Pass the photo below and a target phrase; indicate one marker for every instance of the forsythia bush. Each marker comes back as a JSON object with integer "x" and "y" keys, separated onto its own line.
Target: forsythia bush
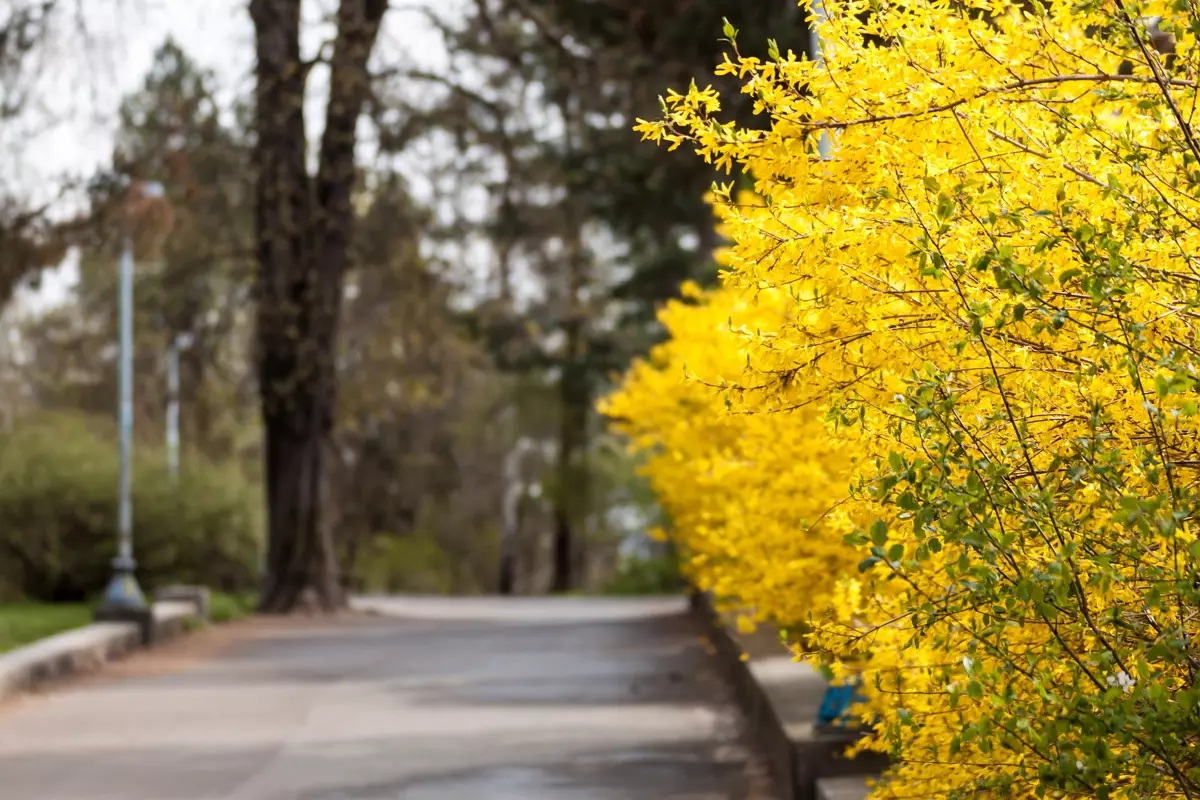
{"x": 961, "y": 354}
{"x": 754, "y": 497}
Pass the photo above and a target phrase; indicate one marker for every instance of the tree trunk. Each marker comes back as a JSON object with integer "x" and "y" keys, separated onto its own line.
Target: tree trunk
{"x": 299, "y": 556}
{"x": 303, "y": 227}
{"x": 508, "y": 575}
{"x": 570, "y": 506}
{"x": 571, "y": 501}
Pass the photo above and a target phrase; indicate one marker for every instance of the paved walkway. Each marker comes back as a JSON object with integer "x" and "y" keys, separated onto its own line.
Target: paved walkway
{"x": 540, "y": 699}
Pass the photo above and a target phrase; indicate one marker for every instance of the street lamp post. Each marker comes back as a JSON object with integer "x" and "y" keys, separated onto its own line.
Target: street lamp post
{"x": 123, "y": 598}
{"x": 178, "y": 344}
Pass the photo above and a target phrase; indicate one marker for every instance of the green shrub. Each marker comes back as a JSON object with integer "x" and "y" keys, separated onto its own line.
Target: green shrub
{"x": 413, "y": 563}
{"x": 225, "y": 607}
{"x": 58, "y": 515}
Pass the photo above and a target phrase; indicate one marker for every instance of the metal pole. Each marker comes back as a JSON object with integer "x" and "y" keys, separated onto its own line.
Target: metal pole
{"x": 824, "y": 143}
{"x": 173, "y": 410}
{"x": 123, "y": 597}
{"x": 125, "y": 548}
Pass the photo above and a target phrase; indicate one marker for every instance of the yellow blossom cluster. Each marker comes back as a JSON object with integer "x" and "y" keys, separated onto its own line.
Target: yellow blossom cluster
{"x": 755, "y": 498}
{"x": 960, "y": 353}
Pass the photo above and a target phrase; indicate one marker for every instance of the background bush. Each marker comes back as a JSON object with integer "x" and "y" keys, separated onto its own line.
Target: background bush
{"x": 413, "y": 563}
{"x": 58, "y": 515}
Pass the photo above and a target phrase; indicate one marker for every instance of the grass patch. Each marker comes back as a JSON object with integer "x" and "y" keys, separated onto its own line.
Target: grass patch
{"x": 25, "y": 622}
{"x": 228, "y": 607}
{"x": 22, "y": 623}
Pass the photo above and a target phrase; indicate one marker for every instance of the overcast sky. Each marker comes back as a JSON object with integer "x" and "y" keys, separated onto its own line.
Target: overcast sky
{"x": 87, "y": 81}
{"x": 83, "y": 81}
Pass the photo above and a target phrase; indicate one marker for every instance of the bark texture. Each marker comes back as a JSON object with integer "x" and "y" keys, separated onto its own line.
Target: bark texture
{"x": 304, "y": 223}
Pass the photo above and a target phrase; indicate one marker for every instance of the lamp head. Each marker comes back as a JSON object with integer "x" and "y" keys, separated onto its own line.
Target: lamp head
{"x": 148, "y": 218}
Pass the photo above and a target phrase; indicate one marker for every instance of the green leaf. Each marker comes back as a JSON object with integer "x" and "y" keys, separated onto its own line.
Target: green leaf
{"x": 729, "y": 31}
{"x": 896, "y": 552}
{"x": 945, "y": 207}
{"x": 1068, "y": 274}
{"x": 879, "y": 532}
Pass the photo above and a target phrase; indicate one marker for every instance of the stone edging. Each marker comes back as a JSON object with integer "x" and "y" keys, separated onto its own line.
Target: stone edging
{"x": 780, "y": 699}
{"x": 87, "y": 648}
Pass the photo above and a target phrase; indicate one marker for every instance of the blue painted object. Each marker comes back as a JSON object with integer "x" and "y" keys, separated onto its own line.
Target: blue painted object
{"x": 837, "y": 702}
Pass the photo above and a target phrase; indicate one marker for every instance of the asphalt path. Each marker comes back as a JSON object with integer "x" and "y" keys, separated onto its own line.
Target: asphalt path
{"x": 420, "y": 699}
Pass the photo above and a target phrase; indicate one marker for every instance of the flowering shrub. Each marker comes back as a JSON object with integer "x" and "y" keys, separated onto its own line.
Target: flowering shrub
{"x": 758, "y": 500}
{"x": 961, "y": 355}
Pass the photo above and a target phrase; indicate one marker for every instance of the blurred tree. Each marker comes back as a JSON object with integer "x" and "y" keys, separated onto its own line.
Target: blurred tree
{"x": 414, "y": 458}
{"x": 604, "y": 228}
{"x": 199, "y": 284}
{"x": 304, "y": 223}
{"x": 613, "y": 58}
{"x": 24, "y": 25}
{"x": 588, "y": 230}
{"x": 28, "y": 241}
{"x": 416, "y": 451}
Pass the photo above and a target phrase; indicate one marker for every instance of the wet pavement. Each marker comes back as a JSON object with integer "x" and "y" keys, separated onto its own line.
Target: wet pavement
{"x": 433, "y": 699}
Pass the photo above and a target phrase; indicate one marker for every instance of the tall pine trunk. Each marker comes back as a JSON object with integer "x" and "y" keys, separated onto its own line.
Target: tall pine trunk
{"x": 571, "y": 501}
{"x": 303, "y": 224}
{"x": 574, "y": 396}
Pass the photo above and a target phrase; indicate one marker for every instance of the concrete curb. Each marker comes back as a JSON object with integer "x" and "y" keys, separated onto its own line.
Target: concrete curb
{"x": 87, "y": 648}
{"x": 780, "y": 699}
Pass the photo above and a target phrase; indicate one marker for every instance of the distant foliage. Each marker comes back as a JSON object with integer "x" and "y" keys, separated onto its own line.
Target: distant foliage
{"x": 225, "y": 607}
{"x": 58, "y": 515}
{"x": 415, "y": 563}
